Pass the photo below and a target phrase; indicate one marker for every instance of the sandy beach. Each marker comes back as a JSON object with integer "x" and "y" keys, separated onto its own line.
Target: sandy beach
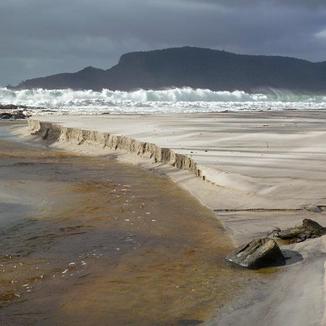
{"x": 163, "y": 163}
{"x": 257, "y": 171}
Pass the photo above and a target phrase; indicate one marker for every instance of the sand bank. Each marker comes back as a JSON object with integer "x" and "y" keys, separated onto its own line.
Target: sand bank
{"x": 271, "y": 162}
{"x": 261, "y": 170}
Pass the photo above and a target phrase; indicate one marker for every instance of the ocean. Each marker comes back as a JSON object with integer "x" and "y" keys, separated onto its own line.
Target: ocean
{"x": 174, "y": 100}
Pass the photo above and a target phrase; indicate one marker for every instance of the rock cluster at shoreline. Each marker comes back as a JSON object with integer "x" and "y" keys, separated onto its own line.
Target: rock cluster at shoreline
{"x": 13, "y": 112}
{"x": 265, "y": 252}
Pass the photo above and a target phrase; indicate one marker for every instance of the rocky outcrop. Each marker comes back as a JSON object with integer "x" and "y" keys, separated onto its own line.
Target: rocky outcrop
{"x": 14, "y": 115}
{"x": 10, "y": 107}
{"x": 13, "y": 112}
{"x": 266, "y": 252}
{"x": 257, "y": 254}
{"x": 308, "y": 230}
{"x": 56, "y": 133}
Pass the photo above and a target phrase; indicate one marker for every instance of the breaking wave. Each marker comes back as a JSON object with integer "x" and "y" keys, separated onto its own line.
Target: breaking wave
{"x": 157, "y": 101}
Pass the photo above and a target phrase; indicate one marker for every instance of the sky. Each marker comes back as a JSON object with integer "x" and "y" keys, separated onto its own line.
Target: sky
{"x": 43, "y": 37}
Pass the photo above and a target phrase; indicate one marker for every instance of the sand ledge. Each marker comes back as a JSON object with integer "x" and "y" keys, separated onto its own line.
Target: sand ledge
{"x": 53, "y": 133}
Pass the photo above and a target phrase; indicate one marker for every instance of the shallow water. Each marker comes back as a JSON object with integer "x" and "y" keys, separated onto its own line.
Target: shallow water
{"x": 95, "y": 242}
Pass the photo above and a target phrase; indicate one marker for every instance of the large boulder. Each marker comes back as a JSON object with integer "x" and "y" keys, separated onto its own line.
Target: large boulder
{"x": 308, "y": 230}
{"x": 257, "y": 254}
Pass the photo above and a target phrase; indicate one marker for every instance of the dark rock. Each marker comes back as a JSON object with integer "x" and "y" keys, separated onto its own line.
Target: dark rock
{"x": 313, "y": 226}
{"x": 8, "y": 107}
{"x": 5, "y": 116}
{"x": 258, "y": 253}
{"x": 14, "y": 115}
{"x": 308, "y": 230}
{"x": 20, "y": 115}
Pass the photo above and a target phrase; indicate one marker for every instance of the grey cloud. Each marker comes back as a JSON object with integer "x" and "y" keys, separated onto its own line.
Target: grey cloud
{"x": 40, "y": 37}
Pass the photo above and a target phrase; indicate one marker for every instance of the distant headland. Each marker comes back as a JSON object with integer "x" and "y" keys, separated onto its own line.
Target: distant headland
{"x": 196, "y": 68}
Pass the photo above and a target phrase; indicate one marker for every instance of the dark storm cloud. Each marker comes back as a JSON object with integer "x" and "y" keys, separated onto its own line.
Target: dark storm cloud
{"x": 40, "y": 37}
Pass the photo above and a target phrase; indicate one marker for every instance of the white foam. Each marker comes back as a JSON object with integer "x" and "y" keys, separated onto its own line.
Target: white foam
{"x": 158, "y": 101}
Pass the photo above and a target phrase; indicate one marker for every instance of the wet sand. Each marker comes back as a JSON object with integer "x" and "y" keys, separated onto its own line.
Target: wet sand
{"x": 90, "y": 240}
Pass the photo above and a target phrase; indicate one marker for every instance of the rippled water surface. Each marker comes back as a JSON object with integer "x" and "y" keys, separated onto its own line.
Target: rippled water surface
{"x": 93, "y": 242}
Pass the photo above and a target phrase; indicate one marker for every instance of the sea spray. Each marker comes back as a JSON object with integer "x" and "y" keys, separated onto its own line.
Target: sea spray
{"x": 178, "y": 100}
